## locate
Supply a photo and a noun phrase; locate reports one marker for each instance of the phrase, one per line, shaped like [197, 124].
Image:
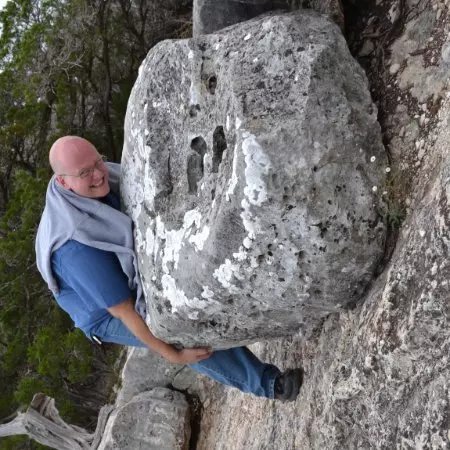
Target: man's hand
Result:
[190, 355]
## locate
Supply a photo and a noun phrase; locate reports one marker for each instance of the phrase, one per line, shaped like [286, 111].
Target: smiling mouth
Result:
[99, 184]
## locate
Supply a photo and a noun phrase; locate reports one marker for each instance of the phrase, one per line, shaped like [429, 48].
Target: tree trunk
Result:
[43, 423]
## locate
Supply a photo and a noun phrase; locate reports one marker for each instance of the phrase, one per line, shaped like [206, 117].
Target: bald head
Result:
[69, 157]
[67, 152]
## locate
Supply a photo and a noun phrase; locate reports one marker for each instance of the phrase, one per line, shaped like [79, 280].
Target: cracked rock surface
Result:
[154, 420]
[377, 377]
[253, 170]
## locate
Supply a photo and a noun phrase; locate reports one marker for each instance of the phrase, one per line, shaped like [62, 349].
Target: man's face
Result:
[85, 173]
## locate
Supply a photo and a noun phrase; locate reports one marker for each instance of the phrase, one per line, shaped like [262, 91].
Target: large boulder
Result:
[154, 420]
[253, 170]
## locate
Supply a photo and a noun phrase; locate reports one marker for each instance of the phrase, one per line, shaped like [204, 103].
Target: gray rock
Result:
[184, 379]
[154, 420]
[253, 174]
[213, 15]
[142, 371]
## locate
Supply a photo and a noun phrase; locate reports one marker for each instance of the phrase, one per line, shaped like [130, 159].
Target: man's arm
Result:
[133, 321]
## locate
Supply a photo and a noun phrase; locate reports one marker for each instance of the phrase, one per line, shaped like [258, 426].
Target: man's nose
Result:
[97, 171]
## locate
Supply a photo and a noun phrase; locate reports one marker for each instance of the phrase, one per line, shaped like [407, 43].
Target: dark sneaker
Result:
[288, 384]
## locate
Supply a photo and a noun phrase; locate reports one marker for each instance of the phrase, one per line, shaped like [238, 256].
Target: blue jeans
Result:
[237, 367]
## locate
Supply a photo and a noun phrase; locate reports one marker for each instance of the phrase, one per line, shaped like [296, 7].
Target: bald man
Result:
[85, 253]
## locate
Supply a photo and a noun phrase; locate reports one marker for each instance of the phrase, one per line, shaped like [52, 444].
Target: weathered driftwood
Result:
[103, 417]
[43, 423]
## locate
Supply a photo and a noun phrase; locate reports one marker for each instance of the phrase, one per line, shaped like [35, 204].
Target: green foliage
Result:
[27, 387]
[13, 442]
[66, 67]
[79, 354]
[20, 443]
[14, 356]
[395, 192]
[47, 353]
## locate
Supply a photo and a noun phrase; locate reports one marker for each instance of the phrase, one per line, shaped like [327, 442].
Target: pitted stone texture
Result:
[210, 16]
[253, 174]
[154, 420]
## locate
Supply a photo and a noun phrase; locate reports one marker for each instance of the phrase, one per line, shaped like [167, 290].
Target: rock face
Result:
[213, 15]
[154, 420]
[254, 175]
[377, 377]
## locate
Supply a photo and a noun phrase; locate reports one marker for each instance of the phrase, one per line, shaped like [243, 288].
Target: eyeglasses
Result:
[84, 173]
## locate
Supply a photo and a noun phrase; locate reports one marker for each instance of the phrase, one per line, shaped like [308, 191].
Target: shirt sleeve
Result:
[96, 276]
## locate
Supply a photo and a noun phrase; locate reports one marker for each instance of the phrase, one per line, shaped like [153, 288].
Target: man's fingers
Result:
[192, 355]
[203, 351]
[197, 354]
[204, 356]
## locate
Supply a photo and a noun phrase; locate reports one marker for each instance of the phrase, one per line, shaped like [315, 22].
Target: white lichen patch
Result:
[149, 188]
[174, 238]
[234, 180]
[207, 292]
[225, 274]
[242, 254]
[177, 297]
[251, 224]
[247, 242]
[198, 240]
[257, 164]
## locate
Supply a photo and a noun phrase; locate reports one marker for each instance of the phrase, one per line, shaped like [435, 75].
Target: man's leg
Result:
[237, 367]
[113, 330]
[240, 368]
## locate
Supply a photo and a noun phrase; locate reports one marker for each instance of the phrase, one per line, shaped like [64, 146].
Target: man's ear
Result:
[62, 182]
